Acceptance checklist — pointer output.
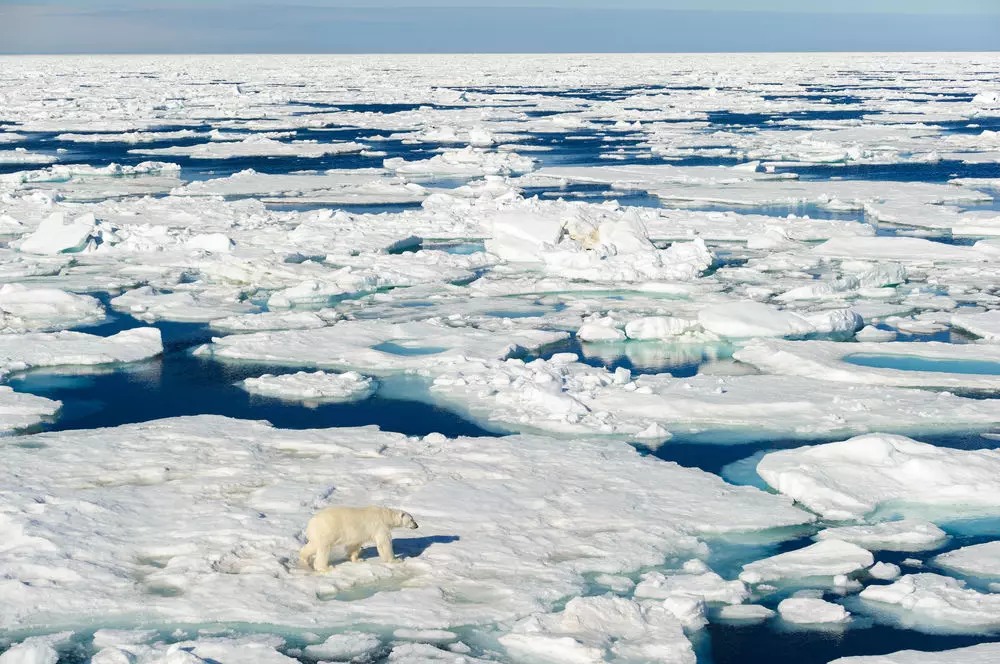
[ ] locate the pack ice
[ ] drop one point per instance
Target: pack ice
(611, 260)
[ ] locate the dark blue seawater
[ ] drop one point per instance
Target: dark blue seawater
(178, 383)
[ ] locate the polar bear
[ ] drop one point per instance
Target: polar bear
(353, 527)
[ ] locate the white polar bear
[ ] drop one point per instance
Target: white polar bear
(353, 527)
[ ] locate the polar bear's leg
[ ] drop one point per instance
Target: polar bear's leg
(384, 544)
(353, 552)
(322, 562)
(305, 552)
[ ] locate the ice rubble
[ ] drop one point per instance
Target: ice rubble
(150, 521)
(982, 560)
(40, 349)
(851, 478)
(319, 386)
(825, 360)
(984, 653)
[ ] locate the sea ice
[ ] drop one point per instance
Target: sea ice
(849, 479)
(903, 535)
(255, 146)
(930, 602)
(824, 559)
(20, 411)
(509, 527)
(811, 611)
(40, 349)
(319, 387)
(982, 560)
(24, 309)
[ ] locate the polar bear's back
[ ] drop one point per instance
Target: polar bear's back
(349, 525)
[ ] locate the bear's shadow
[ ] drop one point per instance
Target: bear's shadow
(410, 547)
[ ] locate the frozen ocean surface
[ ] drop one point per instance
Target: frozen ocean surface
(685, 359)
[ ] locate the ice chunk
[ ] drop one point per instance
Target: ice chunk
(884, 571)
(904, 535)
(827, 558)
(20, 411)
(193, 306)
(985, 325)
(707, 587)
(811, 611)
(600, 331)
(25, 351)
(660, 327)
(54, 235)
(934, 602)
(744, 613)
(24, 309)
(873, 334)
(849, 479)
(736, 320)
(981, 560)
(346, 646)
(320, 387)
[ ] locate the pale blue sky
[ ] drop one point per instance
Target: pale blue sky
(59, 26)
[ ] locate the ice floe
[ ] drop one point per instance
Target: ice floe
(52, 349)
(982, 560)
(930, 602)
(316, 387)
(849, 479)
(508, 525)
(902, 535)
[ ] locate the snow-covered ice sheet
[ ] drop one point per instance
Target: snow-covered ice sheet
(902, 535)
(174, 520)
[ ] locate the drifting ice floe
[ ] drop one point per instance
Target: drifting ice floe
(903, 535)
(28, 351)
(20, 411)
(811, 611)
(822, 560)
(930, 602)
(255, 146)
(25, 309)
(982, 560)
(849, 479)
(313, 387)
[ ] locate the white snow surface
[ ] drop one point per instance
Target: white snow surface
(811, 611)
(902, 535)
(828, 558)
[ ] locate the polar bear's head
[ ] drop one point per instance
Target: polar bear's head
(406, 521)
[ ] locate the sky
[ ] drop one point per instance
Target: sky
(394, 26)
